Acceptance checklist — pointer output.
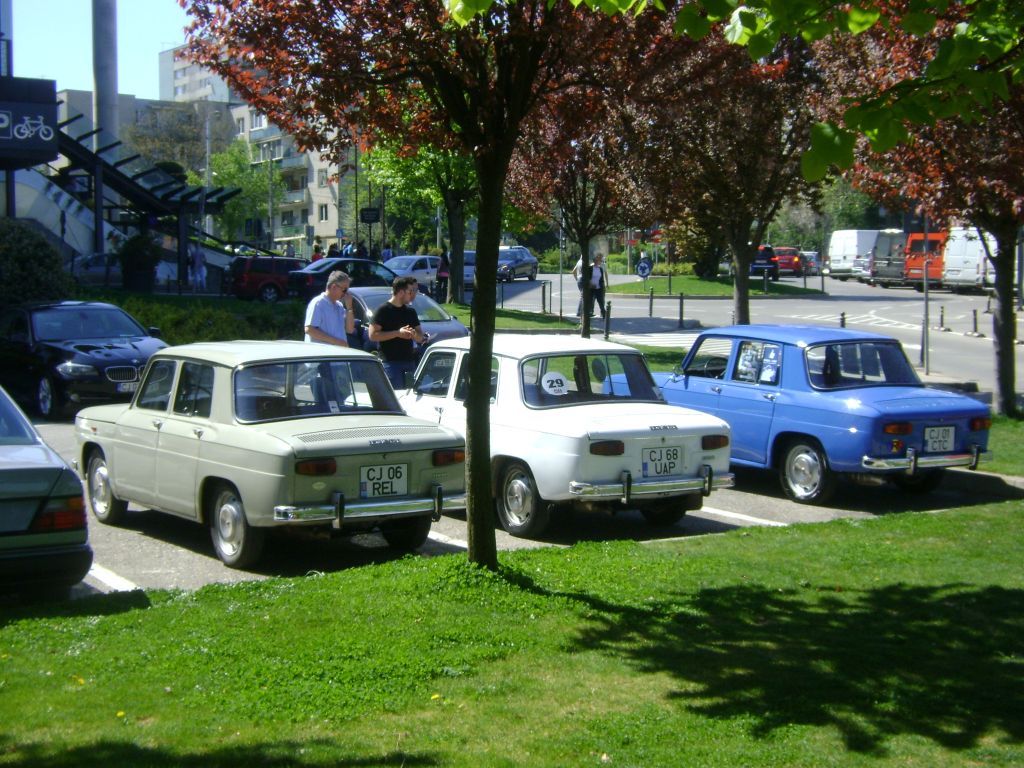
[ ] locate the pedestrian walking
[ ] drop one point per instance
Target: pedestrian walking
(395, 327)
(441, 288)
(198, 264)
(598, 283)
(329, 317)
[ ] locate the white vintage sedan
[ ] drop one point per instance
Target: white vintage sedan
(577, 422)
(244, 436)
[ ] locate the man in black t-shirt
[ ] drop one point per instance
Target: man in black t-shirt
(395, 327)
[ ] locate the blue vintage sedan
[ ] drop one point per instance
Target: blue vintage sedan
(814, 403)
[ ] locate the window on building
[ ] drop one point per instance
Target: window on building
(287, 218)
(181, 74)
(256, 120)
(240, 125)
(324, 212)
(321, 177)
(180, 90)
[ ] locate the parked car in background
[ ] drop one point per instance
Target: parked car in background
(516, 261)
(262, 277)
(765, 262)
(434, 319)
(92, 270)
(814, 404)
(922, 250)
(59, 356)
(423, 268)
(305, 283)
(468, 269)
(965, 262)
(845, 246)
(576, 423)
(244, 436)
(43, 538)
(790, 260)
(881, 264)
(811, 262)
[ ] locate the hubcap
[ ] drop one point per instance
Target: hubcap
(518, 499)
(45, 397)
(229, 524)
(100, 485)
(804, 472)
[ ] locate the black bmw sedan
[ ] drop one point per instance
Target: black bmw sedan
(59, 356)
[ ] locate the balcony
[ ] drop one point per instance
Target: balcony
(291, 230)
(294, 197)
(297, 160)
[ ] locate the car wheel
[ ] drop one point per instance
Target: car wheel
(521, 510)
(49, 402)
(105, 505)
(237, 543)
(407, 535)
(804, 473)
(922, 482)
(269, 294)
(532, 275)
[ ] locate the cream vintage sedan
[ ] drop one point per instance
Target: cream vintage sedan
(577, 422)
(244, 436)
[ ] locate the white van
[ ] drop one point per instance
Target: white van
(844, 247)
(965, 265)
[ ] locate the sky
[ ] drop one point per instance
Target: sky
(52, 39)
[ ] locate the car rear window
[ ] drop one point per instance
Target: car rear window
(301, 388)
(570, 379)
(859, 364)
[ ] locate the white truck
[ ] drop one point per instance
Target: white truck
(966, 266)
(844, 247)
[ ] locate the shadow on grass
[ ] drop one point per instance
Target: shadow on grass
(95, 605)
(941, 663)
(274, 755)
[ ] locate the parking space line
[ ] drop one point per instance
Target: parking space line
(440, 538)
(744, 518)
(110, 579)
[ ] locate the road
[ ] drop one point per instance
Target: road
(155, 551)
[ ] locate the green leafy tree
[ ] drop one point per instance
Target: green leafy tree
(30, 267)
(178, 134)
(234, 167)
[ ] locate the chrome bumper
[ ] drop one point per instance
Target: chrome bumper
(912, 461)
(369, 510)
(628, 488)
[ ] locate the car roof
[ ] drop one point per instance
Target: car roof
(326, 263)
(800, 335)
(522, 345)
(66, 304)
(240, 352)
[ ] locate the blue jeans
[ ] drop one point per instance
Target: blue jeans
(397, 370)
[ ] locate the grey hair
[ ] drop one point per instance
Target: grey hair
(338, 277)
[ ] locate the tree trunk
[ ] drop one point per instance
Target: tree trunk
(743, 257)
(455, 211)
(1004, 320)
(480, 502)
(586, 295)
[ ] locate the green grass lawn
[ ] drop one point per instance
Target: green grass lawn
(720, 286)
(897, 641)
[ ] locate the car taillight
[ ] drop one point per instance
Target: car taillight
(316, 467)
(66, 514)
(714, 442)
(608, 448)
(309, 280)
(980, 423)
(898, 428)
(444, 457)
(774, 258)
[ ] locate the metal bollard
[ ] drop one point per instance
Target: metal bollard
(681, 323)
(988, 306)
(975, 332)
(842, 319)
(650, 304)
(765, 274)
(543, 297)
(607, 319)
(501, 295)
(670, 282)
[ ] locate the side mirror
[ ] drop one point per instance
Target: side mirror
(154, 331)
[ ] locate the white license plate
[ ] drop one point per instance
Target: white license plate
(939, 439)
(383, 480)
(659, 462)
(127, 386)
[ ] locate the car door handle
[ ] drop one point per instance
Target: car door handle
(158, 423)
(770, 395)
(197, 432)
(716, 390)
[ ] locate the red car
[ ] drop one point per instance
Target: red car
(791, 262)
(262, 277)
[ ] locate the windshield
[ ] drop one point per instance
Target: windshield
(427, 310)
(303, 388)
(401, 262)
(83, 323)
(859, 364)
(570, 379)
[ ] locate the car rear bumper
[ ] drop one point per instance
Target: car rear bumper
(913, 461)
(629, 488)
(44, 566)
(339, 510)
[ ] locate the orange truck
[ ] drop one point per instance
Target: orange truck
(920, 249)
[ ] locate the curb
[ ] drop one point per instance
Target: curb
(985, 483)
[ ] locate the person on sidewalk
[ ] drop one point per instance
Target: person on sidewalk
(329, 317)
(395, 327)
(598, 283)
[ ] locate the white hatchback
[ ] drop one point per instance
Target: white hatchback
(577, 422)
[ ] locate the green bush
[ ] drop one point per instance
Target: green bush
(30, 268)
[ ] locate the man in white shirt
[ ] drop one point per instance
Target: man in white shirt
(329, 317)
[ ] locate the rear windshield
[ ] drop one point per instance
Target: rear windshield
(558, 380)
(859, 364)
(301, 388)
(14, 430)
